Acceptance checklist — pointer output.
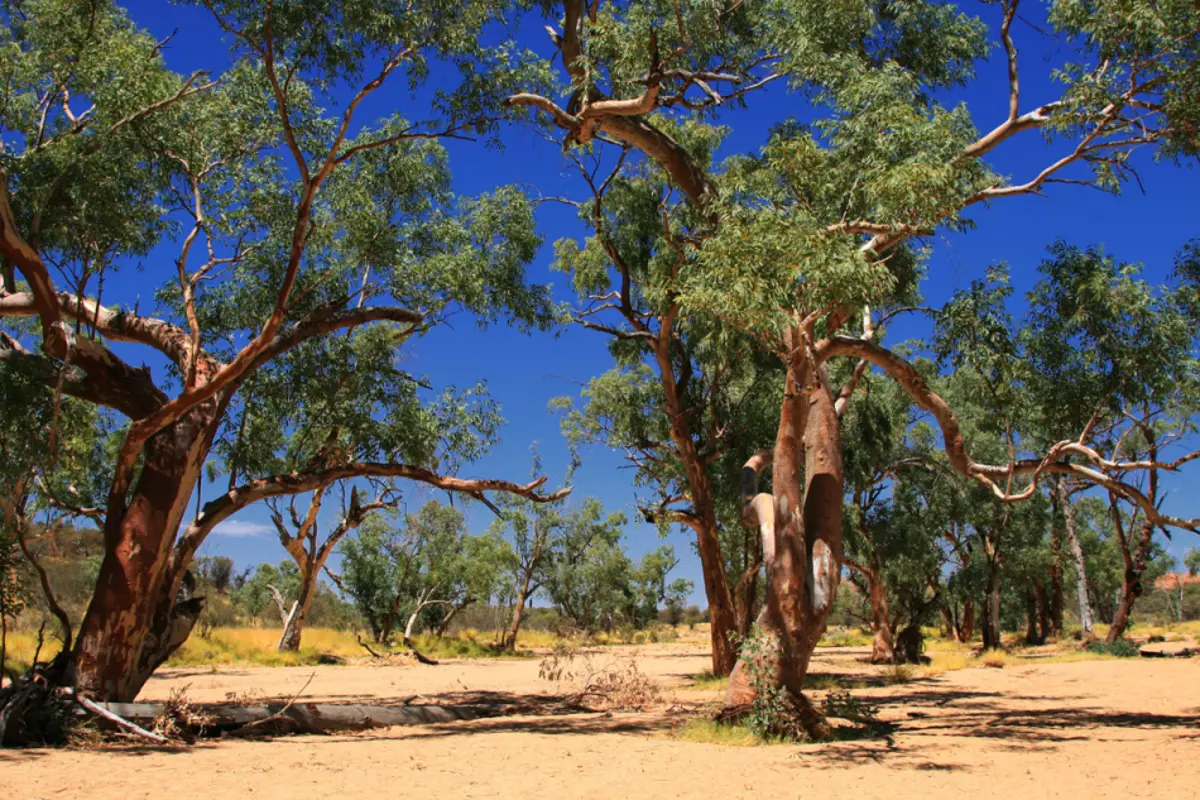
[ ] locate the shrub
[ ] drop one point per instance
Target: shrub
(1121, 648)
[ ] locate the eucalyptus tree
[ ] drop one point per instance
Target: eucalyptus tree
(304, 543)
(292, 222)
(878, 448)
(404, 572)
(570, 556)
(793, 245)
(1114, 355)
(683, 402)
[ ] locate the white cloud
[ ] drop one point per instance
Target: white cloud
(235, 527)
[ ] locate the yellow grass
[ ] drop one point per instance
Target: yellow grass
(257, 646)
(707, 682)
(845, 637)
(20, 647)
(706, 731)
(993, 658)
(945, 661)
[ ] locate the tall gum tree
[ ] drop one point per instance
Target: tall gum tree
(277, 206)
(684, 402)
(797, 243)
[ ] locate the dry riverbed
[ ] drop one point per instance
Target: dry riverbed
(1097, 729)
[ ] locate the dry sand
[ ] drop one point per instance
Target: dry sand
(1092, 729)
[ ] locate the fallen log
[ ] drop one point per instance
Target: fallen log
(1186, 652)
(118, 720)
(281, 718)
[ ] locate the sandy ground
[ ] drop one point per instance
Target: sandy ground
(1087, 729)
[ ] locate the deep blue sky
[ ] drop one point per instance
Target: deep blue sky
(524, 372)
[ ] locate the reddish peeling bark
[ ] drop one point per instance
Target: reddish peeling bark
(883, 643)
(804, 563)
(132, 624)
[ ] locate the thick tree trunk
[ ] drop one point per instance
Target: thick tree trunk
(136, 617)
(806, 560)
(1081, 585)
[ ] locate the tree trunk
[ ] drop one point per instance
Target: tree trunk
(1129, 596)
(1032, 636)
(1085, 606)
(882, 647)
(510, 638)
(293, 626)
(444, 625)
(723, 618)
(723, 624)
(137, 616)
(949, 624)
(1045, 615)
(422, 604)
(806, 562)
(991, 610)
(966, 628)
(1053, 615)
(883, 643)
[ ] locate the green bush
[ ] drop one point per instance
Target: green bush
(1121, 648)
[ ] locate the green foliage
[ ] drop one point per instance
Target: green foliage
(390, 571)
(1121, 648)
(772, 714)
(1192, 561)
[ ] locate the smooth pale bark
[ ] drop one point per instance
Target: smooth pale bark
(423, 603)
(1081, 584)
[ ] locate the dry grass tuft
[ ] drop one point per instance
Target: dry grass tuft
(997, 659)
(895, 674)
(180, 719)
(941, 661)
(707, 731)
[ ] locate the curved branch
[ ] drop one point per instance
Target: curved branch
(221, 508)
(128, 400)
(324, 322)
(989, 475)
(116, 380)
(758, 508)
(113, 324)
